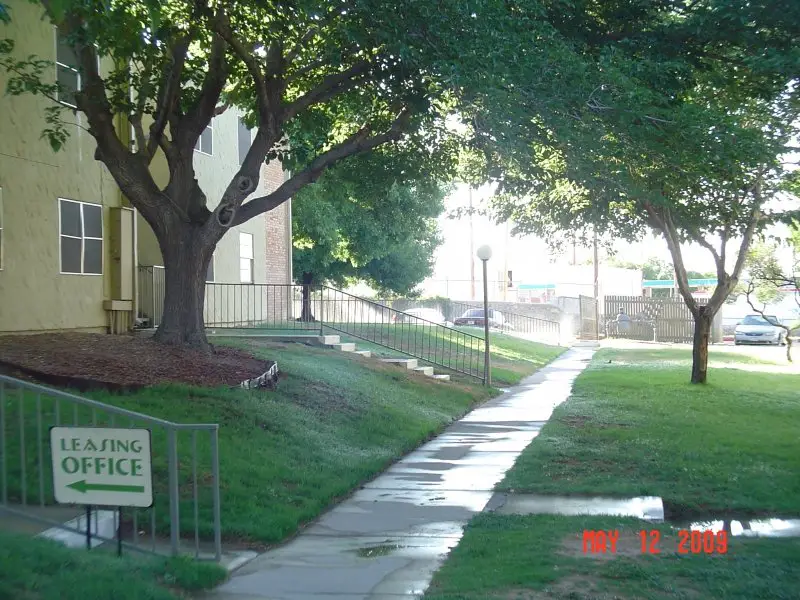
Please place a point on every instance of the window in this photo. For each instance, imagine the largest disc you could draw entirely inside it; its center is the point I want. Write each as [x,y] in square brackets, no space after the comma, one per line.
[210,271]
[205,143]
[245,141]
[246,257]
[81,237]
[67,74]
[1,229]
[510,280]
[759,320]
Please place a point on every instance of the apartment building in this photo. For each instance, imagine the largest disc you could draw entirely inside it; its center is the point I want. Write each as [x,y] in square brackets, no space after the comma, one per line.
[74,255]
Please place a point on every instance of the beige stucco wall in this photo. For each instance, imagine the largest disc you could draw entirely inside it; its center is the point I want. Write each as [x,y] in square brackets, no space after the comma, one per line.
[34,296]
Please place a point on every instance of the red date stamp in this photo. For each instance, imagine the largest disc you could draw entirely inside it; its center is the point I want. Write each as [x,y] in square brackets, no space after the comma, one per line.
[689,541]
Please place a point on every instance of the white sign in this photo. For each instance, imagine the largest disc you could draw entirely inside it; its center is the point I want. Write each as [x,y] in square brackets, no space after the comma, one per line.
[102,466]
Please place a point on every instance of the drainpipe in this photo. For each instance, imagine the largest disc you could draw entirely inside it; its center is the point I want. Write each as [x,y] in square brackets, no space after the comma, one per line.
[135,265]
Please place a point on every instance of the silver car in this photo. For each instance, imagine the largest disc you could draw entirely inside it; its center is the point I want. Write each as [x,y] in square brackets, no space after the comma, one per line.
[755,329]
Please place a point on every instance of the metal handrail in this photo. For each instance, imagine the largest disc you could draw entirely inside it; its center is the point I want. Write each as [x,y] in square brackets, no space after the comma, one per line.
[105,407]
[394,310]
[452,348]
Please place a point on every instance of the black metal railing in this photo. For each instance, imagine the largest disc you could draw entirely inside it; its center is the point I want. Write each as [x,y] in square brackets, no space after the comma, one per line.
[512,323]
[414,336]
[261,305]
[297,308]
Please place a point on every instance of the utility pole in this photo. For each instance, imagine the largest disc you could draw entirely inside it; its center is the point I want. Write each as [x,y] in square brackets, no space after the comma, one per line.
[596,289]
[505,266]
[471,250]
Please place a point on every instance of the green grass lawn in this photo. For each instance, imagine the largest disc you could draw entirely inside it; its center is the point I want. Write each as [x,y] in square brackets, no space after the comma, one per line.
[38,569]
[635,426]
[717,356]
[526,557]
[335,421]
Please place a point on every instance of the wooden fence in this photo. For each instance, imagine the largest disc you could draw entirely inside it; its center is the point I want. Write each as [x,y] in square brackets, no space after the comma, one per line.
[588,314]
[654,319]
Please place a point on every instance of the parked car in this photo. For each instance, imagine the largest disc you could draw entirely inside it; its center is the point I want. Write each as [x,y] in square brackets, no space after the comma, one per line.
[475,316]
[755,329]
[428,314]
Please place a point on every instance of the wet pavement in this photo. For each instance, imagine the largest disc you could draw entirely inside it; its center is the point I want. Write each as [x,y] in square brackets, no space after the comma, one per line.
[387,540]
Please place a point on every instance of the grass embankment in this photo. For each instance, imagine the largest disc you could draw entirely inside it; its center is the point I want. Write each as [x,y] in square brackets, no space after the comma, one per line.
[285,456]
[513,358]
[634,426]
[38,569]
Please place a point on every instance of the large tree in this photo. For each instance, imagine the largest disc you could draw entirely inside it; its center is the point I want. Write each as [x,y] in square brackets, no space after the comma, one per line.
[371,218]
[683,136]
[319,80]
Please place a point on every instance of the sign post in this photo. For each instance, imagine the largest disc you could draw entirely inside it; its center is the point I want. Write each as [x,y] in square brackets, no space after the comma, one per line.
[99,466]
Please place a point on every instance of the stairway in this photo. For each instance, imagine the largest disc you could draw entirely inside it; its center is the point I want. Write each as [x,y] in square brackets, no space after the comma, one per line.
[412,364]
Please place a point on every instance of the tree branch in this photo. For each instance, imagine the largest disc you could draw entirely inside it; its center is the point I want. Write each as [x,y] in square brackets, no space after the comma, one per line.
[663,221]
[197,118]
[222,26]
[129,171]
[313,31]
[358,142]
[330,86]
[167,96]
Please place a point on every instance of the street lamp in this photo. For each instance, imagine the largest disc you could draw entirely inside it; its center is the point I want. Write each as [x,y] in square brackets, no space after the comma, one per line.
[485,253]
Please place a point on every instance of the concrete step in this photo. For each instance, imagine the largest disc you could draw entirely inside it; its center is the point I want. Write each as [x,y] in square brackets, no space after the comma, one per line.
[344,346]
[442,377]
[364,353]
[329,340]
[424,370]
[408,363]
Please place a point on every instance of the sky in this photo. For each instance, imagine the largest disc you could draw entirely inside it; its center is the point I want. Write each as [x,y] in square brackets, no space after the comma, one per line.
[528,251]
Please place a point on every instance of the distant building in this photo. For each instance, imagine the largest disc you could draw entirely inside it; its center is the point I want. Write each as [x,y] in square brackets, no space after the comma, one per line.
[522,269]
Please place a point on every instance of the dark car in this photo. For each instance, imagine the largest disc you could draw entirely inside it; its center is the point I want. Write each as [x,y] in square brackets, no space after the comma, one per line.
[475,316]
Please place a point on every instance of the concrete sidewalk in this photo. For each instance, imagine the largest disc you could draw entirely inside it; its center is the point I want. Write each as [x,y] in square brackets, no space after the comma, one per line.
[388,539]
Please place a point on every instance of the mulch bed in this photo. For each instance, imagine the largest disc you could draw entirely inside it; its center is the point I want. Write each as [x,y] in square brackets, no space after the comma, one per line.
[117,362]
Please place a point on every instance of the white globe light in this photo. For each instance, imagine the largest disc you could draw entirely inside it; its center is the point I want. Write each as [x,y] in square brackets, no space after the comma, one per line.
[484,253]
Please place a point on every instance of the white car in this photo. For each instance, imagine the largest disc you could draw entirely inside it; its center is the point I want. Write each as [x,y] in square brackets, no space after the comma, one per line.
[755,329]
[427,314]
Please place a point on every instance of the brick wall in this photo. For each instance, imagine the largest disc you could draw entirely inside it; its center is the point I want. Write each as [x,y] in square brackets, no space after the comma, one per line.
[278,226]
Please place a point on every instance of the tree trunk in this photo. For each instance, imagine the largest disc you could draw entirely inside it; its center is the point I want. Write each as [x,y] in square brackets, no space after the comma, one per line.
[702,333]
[306,315]
[186,256]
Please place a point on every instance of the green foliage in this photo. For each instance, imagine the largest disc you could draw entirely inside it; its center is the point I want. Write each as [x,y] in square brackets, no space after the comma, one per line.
[670,118]
[371,218]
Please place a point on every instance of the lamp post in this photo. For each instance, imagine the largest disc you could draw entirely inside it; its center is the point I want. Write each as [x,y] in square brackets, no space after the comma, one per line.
[485,253]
